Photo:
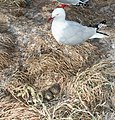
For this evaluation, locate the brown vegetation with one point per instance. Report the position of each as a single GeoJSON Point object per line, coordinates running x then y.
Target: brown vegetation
{"type": "Point", "coordinates": [30, 70]}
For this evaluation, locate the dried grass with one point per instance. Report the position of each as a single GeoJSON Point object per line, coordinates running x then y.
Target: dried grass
{"type": "Point", "coordinates": [7, 48]}
{"type": "Point", "coordinates": [22, 3]}
{"type": "Point", "coordinates": [11, 2]}
{"type": "Point", "coordinates": [85, 95]}
{"type": "Point", "coordinates": [63, 59]}
{"type": "Point", "coordinates": [11, 109]}
{"type": "Point", "coordinates": [86, 89]}
{"type": "Point", "coordinates": [3, 22]}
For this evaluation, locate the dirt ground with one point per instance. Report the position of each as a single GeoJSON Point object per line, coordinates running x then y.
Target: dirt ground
{"type": "Point", "coordinates": [43, 80]}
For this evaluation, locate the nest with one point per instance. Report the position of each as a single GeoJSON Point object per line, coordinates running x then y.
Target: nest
{"type": "Point", "coordinates": [85, 95]}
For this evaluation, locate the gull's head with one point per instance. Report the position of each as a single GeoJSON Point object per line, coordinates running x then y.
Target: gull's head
{"type": "Point", "coordinates": [58, 13]}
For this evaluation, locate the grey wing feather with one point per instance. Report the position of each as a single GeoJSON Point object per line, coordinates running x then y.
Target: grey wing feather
{"type": "Point", "coordinates": [74, 2]}
{"type": "Point", "coordinates": [77, 33]}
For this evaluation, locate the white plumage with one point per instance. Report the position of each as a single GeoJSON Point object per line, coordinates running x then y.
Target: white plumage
{"type": "Point", "coordinates": [73, 2]}
{"type": "Point", "coordinates": [70, 32]}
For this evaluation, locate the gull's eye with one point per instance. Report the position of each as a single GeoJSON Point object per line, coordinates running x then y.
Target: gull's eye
{"type": "Point", "coordinates": [57, 14]}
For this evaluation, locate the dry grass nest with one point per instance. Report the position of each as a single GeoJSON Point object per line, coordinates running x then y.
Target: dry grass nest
{"type": "Point", "coordinates": [86, 95]}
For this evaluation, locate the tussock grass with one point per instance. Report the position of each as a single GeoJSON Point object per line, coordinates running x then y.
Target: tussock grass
{"type": "Point", "coordinates": [85, 95]}
{"type": "Point", "coordinates": [87, 92]}
{"type": "Point", "coordinates": [7, 48]}
{"type": "Point", "coordinates": [13, 2]}
{"type": "Point", "coordinates": [85, 89]}
{"type": "Point", "coordinates": [22, 3]}
{"type": "Point", "coordinates": [3, 22]}
{"type": "Point", "coordinates": [12, 109]}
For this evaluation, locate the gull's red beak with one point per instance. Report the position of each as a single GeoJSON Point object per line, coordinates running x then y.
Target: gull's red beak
{"type": "Point", "coordinates": [50, 19]}
{"type": "Point", "coordinates": [62, 6]}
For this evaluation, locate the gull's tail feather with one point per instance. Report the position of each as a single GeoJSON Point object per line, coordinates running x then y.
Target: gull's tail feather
{"type": "Point", "coordinates": [99, 25]}
{"type": "Point", "coordinates": [99, 35]}
{"type": "Point", "coordinates": [81, 2]}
